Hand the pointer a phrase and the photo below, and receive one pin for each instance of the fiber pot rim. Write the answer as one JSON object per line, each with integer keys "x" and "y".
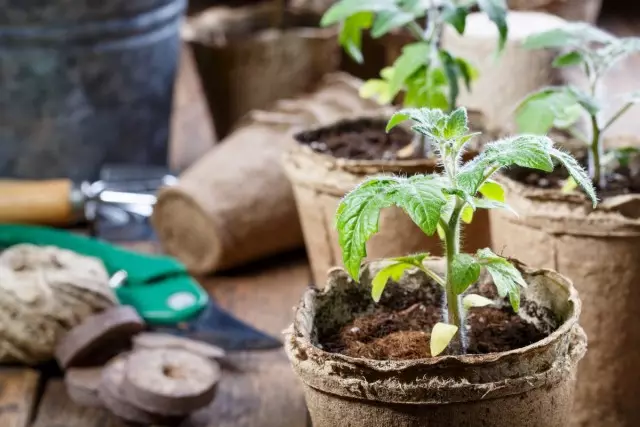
{"x": 449, "y": 378}
{"x": 573, "y": 213}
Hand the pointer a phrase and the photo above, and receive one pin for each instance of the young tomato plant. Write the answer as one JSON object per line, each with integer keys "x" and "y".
{"x": 595, "y": 51}
{"x": 440, "y": 202}
{"x": 428, "y": 74}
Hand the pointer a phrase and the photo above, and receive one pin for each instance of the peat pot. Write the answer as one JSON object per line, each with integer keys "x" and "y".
{"x": 83, "y": 83}
{"x": 528, "y": 387}
{"x": 599, "y": 249}
{"x": 320, "y": 180}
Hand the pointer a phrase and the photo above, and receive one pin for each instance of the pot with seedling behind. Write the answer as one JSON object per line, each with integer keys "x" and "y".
{"x": 559, "y": 228}
{"x": 329, "y": 161}
{"x": 467, "y": 340}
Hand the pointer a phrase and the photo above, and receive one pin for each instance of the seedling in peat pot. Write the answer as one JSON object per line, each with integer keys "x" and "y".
{"x": 438, "y": 202}
{"x": 561, "y": 107}
{"x": 429, "y": 75}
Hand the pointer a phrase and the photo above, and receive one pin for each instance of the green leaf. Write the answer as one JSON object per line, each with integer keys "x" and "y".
{"x": 467, "y": 215}
{"x": 441, "y": 336}
{"x": 568, "y": 59}
{"x": 529, "y": 151}
{"x": 343, "y": 9}
{"x": 390, "y": 272}
{"x": 465, "y": 271}
{"x": 456, "y": 16}
{"x": 467, "y": 71}
{"x": 420, "y": 196}
{"x": 505, "y": 276}
{"x": 492, "y": 191}
{"x": 424, "y": 117}
{"x": 451, "y": 70}
{"x": 357, "y": 219}
{"x": 577, "y": 173}
{"x": 493, "y": 204}
{"x": 573, "y": 34}
{"x": 376, "y": 89}
{"x": 390, "y": 20}
{"x": 416, "y": 259}
{"x": 397, "y": 118}
{"x": 553, "y": 106}
{"x": 350, "y": 37}
{"x": 496, "y": 11}
{"x": 456, "y": 124}
{"x": 413, "y": 57}
{"x": 475, "y": 300}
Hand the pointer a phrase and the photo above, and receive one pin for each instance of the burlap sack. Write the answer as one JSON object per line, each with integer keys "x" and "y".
{"x": 528, "y": 387}
{"x": 319, "y": 183}
{"x": 599, "y": 250}
{"x": 506, "y": 80}
{"x": 571, "y": 10}
{"x": 246, "y": 64}
{"x": 235, "y": 204}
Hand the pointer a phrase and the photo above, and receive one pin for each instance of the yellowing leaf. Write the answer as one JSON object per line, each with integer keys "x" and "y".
{"x": 475, "y": 300}
{"x": 376, "y": 89}
{"x": 441, "y": 336}
{"x": 492, "y": 191}
{"x": 467, "y": 214}
{"x": 569, "y": 185}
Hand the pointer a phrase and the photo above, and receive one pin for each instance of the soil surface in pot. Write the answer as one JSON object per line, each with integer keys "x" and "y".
{"x": 398, "y": 329}
{"x": 623, "y": 179}
{"x": 359, "y": 140}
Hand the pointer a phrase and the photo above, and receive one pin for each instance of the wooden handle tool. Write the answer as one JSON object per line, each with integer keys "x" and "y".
{"x": 50, "y": 202}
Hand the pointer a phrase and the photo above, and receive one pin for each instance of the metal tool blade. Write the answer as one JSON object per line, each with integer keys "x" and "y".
{"x": 216, "y": 326}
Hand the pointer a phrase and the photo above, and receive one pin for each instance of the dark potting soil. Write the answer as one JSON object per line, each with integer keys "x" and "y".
{"x": 358, "y": 140}
{"x": 621, "y": 180}
{"x": 401, "y": 331}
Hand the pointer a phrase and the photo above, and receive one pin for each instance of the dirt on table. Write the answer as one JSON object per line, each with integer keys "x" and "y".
{"x": 358, "y": 140}
{"x": 402, "y": 331}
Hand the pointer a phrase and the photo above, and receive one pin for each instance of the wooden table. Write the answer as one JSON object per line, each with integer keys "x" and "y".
{"x": 258, "y": 389}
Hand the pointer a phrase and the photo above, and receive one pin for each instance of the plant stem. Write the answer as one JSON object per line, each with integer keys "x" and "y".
{"x": 616, "y": 116}
{"x": 452, "y": 248}
{"x": 595, "y": 154}
{"x": 416, "y": 30}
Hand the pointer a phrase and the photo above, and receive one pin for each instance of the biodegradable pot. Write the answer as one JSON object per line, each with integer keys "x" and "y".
{"x": 599, "y": 248}
{"x": 247, "y": 64}
{"x": 528, "y": 387}
{"x": 571, "y": 10}
{"x": 534, "y": 68}
{"x": 235, "y": 204}
{"x": 319, "y": 183}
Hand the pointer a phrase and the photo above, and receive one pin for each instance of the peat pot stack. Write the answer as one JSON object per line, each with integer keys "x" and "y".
{"x": 530, "y": 386}
{"x": 235, "y": 204}
{"x": 599, "y": 249}
{"x": 251, "y": 56}
{"x": 507, "y": 79}
{"x": 320, "y": 180}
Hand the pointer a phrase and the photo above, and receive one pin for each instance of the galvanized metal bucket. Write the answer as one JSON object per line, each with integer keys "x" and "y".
{"x": 85, "y": 82}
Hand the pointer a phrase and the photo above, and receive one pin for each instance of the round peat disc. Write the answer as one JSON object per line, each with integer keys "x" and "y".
{"x": 170, "y": 381}
{"x": 110, "y": 392}
{"x": 82, "y": 385}
{"x": 99, "y": 337}
{"x": 155, "y": 340}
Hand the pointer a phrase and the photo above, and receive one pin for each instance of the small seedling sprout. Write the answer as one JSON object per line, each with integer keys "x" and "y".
{"x": 595, "y": 51}
{"x": 426, "y": 73}
{"x": 439, "y": 203}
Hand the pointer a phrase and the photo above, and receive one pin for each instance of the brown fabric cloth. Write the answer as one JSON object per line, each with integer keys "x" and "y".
{"x": 235, "y": 205}
{"x": 528, "y": 387}
{"x": 598, "y": 249}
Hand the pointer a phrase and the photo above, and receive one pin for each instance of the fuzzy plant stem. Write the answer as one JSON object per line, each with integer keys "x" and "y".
{"x": 595, "y": 154}
{"x": 455, "y": 316}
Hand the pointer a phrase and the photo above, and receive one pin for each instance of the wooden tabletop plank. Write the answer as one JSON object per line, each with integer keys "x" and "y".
{"x": 57, "y": 410}
{"x": 18, "y": 387}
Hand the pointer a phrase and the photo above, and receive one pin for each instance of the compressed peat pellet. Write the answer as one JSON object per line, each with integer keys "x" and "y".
{"x": 153, "y": 340}
{"x": 99, "y": 337}
{"x": 111, "y": 394}
{"x": 82, "y": 385}
{"x": 170, "y": 381}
